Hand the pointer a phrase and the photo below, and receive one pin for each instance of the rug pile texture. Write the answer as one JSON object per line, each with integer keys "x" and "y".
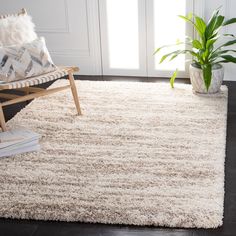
{"x": 141, "y": 154}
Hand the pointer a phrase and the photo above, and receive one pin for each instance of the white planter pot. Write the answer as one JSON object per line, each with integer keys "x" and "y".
{"x": 196, "y": 77}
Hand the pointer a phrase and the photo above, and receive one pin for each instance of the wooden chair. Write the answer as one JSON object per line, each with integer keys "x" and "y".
{"x": 34, "y": 92}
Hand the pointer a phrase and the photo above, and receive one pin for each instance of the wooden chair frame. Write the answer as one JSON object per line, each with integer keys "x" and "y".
{"x": 34, "y": 92}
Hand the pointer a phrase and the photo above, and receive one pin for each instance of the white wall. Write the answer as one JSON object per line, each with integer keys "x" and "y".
{"x": 229, "y": 10}
{"x": 71, "y": 28}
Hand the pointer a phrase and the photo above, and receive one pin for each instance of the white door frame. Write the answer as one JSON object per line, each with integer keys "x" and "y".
{"x": 142, "y": 42}
{"x": 146, "y": 40}
{"x": 152, "y": 72}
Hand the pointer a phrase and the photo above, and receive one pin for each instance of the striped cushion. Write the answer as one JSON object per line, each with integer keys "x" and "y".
{"x": 58, "y": 73}
{"x": 26, "y": 60}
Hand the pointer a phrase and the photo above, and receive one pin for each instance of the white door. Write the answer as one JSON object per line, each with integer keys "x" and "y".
{"x": 123, "y": 37}
{"x": 164, "y": 27}
{"x": 132, "y": 29}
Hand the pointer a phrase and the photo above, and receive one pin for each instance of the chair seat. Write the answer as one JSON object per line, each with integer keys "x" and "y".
{"x": 34, "y": 92}
{"x": 58, "y": 73}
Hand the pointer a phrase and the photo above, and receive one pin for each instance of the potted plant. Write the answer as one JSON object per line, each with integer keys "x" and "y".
{"x": 206, "y": 70}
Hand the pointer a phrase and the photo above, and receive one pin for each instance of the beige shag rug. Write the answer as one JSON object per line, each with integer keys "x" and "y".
{"x": 141, "y": 154}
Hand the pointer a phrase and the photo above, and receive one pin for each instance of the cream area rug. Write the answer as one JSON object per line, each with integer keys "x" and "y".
{"x": 142, "y": 154}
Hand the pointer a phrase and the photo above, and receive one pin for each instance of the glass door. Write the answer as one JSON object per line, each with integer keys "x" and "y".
{"x": 122, "y": 25}
{"x": 164, "y": 27}
{"x": 132, "y": 29}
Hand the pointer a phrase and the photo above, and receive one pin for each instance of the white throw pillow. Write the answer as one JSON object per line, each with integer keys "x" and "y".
{"x": 26, "y": 60}
{"x": 16, "y": 30}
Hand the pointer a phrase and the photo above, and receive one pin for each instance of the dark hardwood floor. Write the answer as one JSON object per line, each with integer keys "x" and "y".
{"x": 9, "y": 227}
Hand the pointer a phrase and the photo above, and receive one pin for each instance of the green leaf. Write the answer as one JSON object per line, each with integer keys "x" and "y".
{"x": 211, "y": 41}
{"x": 173, "y": 77}
{"x": 229, "y": 35}
{"x": 229, "y": 58}
{"x": 201, "y": 25}
{"x": 164, "y": 57}
{"x": 218, "y": 53}
{"x": 173, "y": 57}
{"x": 157, "y": 50}
{"x": 190, "y": 15}
{"x": 223, "y": 61}
{"x": 229, "y": 43}
{"x": 176, "y": 53}
{"x": 230, "y": 21}
{"x": 205, "y": 55}
{"x": 214, "y": 35}
{"x": 219, "y": 22}
{"x": 207, "y": 74}
{"x": 211, "y": 24}
{"x": 196, "y": 44}
{"x": 192, "y": 22}
{"x": 167, "y": 46}
{"x": 225, "y": 51}
{"x": 186, "y": 18}
{"x": 214, "y": 25}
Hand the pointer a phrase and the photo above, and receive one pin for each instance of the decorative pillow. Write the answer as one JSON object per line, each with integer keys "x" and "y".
{"x": 26, "y": 60}
{"x": 16, "y": 29}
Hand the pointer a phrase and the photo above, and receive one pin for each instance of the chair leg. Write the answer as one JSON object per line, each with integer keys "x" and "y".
{"x": 2, "y": 120}
{"x": 74, "y": 93}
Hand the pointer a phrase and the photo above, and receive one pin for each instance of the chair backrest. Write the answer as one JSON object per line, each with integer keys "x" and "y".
{"x": 22, "y": 12}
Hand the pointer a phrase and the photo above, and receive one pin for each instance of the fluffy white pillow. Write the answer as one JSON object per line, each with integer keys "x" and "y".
{"x": 16, "y": 30}
{"x": 26, "y": 60}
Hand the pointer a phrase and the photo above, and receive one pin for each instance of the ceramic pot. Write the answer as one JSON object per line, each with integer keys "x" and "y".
{"x": 196, "y": 77}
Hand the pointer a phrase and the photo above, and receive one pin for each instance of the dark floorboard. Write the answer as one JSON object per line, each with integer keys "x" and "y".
{"x": 9, "y": 227}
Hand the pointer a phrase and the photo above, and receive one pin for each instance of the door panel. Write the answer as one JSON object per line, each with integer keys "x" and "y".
{"x": 123, "y": 37}
{"x": 131, "y": 30}
{"x": 164, "y": 27}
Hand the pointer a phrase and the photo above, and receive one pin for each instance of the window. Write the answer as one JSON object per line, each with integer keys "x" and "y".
{"x": 122, "y": 31}
{"x": 132, "y": 29}
{"x": 167, "y": 29}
